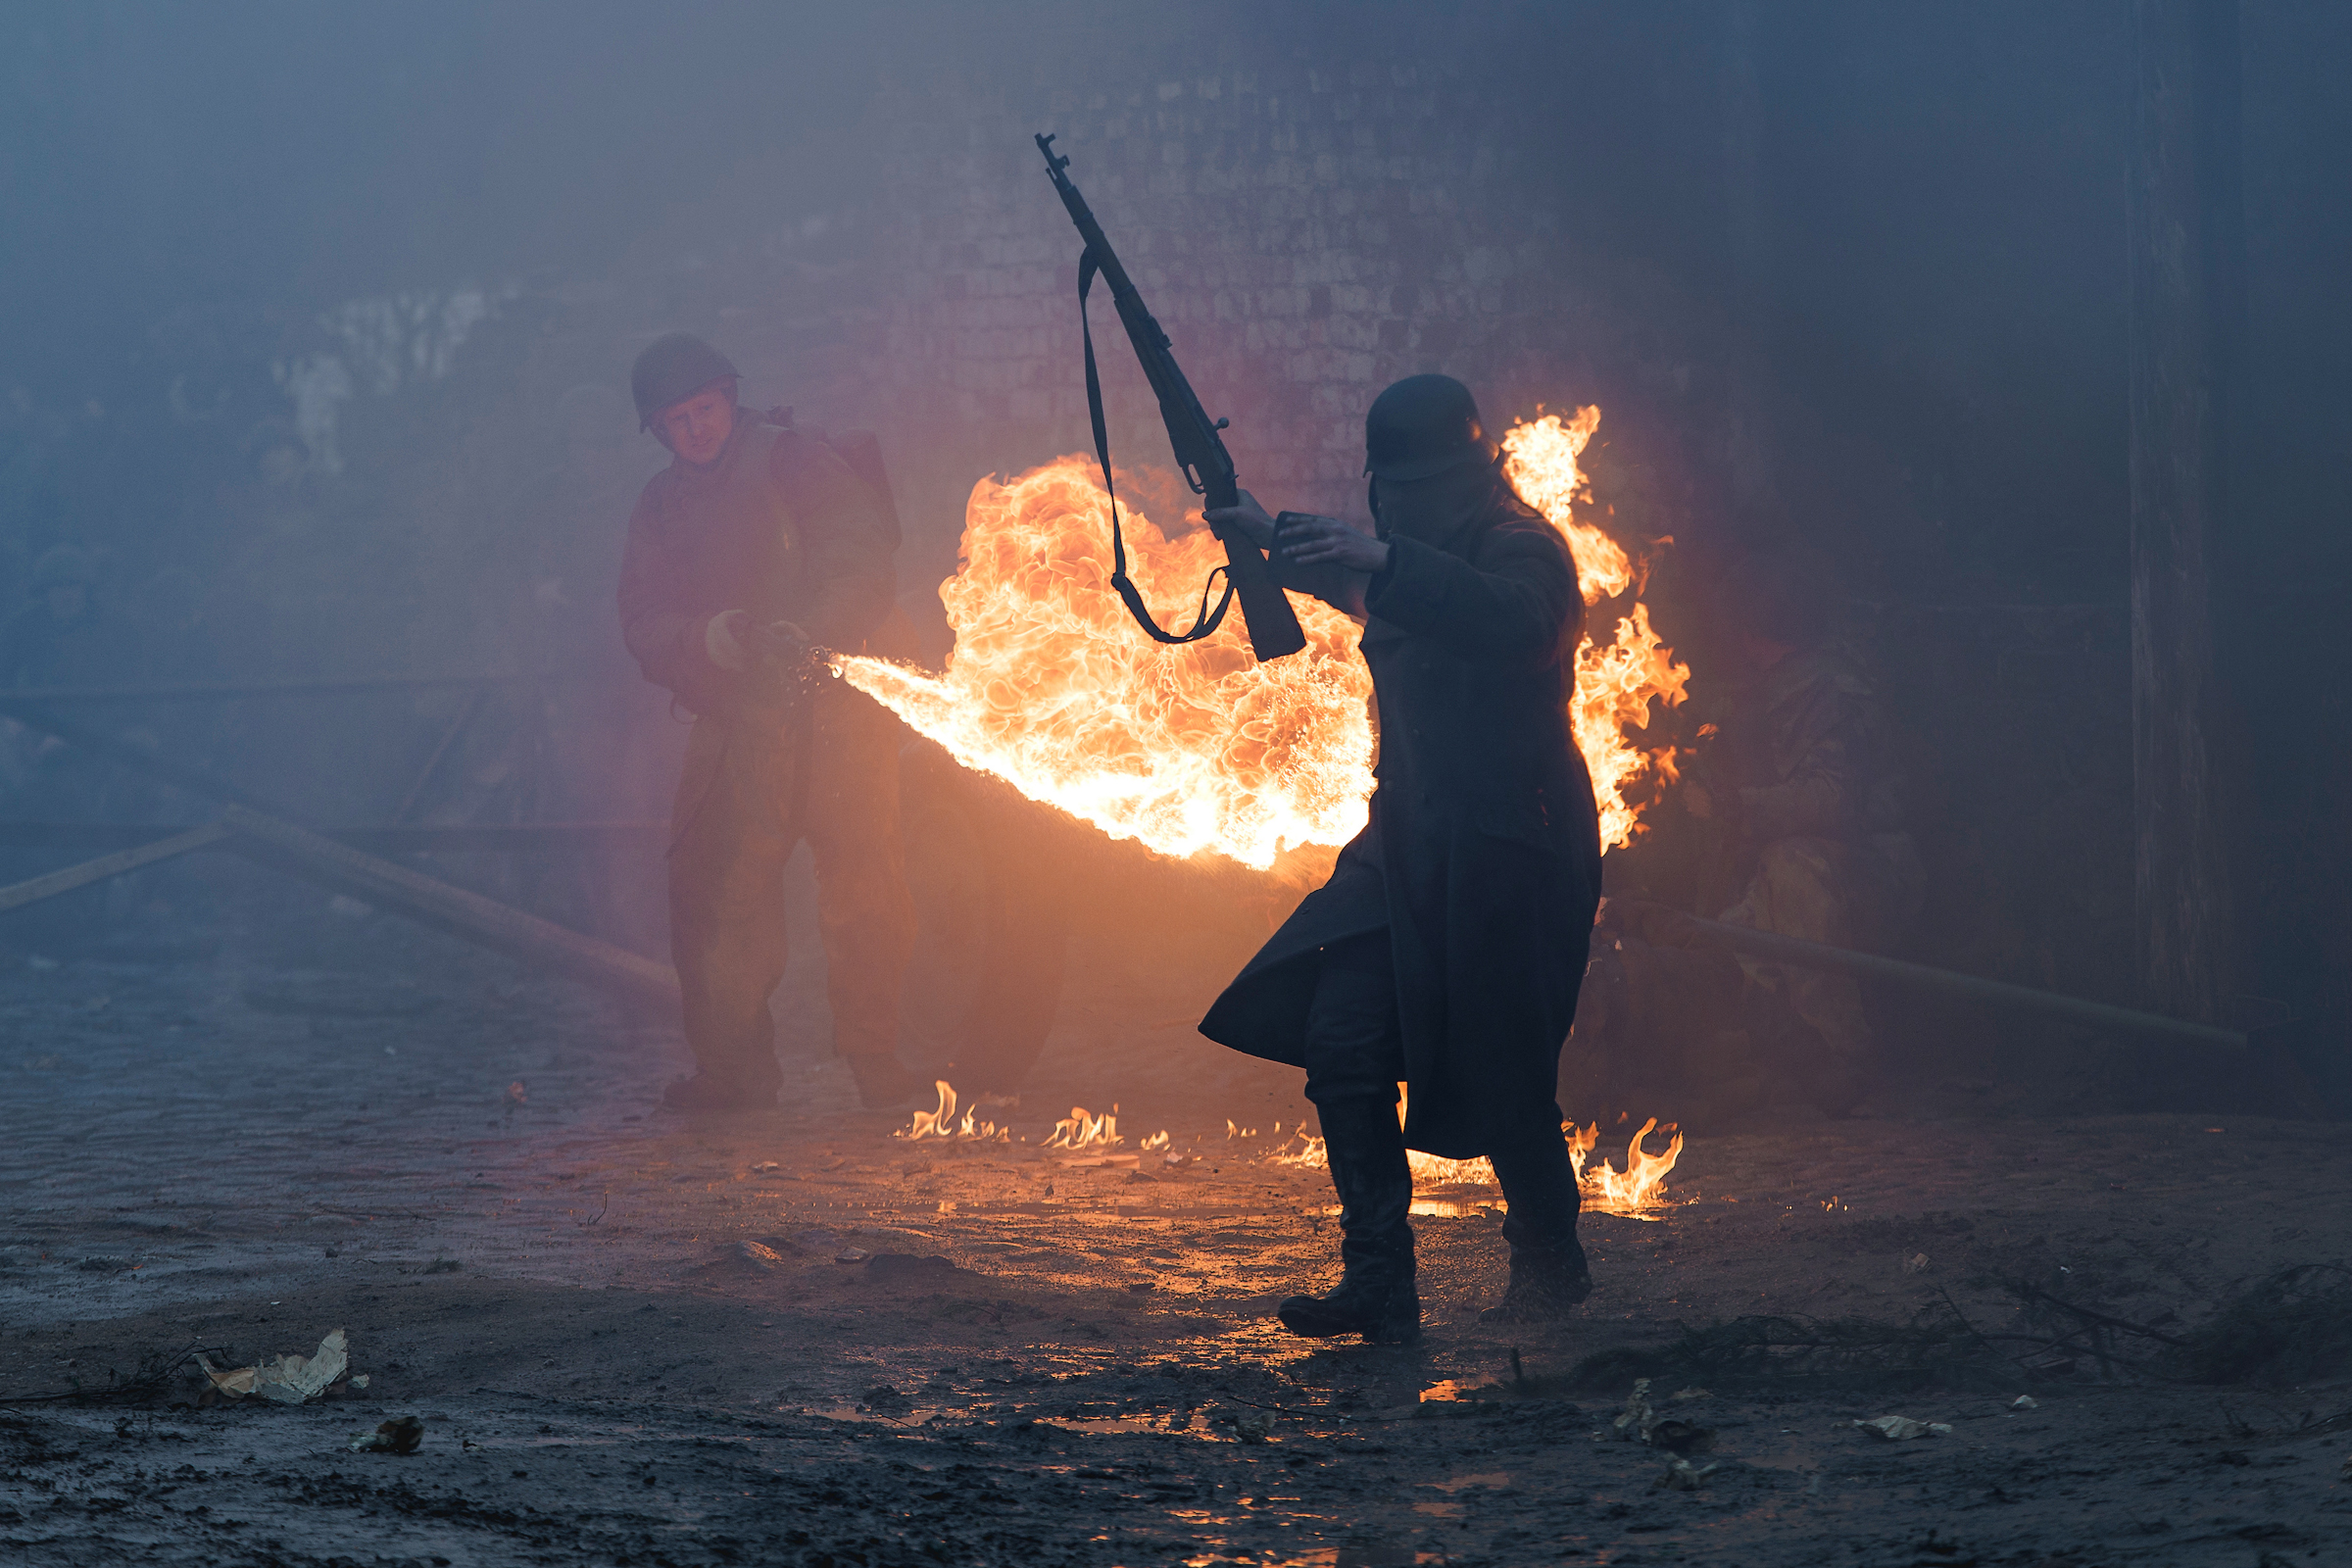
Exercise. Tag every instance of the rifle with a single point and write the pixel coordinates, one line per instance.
(1200, 450)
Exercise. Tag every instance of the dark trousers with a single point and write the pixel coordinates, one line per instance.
(755, 786)
(1354, 1061)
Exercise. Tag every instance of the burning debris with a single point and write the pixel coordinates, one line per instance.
(1198, 748)
(1635, 1192)
(1640, 1185)
(942, 1122)
(1082, 1129)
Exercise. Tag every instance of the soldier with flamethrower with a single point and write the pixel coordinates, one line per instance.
(1447, 948)
(758, 543)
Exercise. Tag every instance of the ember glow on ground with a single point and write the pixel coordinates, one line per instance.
(629, 1335)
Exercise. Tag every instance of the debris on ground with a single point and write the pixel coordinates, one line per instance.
(2292, 1326)
(1901, 1428)
(1683, 1476)
(757, 1258)
(400, 1435)
(2024, 1402)
(289, 1379)
(1248, 1426)
(1638, 1417)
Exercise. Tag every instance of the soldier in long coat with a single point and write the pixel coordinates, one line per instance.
(1447, 949)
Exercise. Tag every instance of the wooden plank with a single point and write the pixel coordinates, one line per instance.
(107, 866)
(422, 898)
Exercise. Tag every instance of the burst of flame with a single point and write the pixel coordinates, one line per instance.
(943, 1123)
(1616, 682)
(1051, 687)
(1198, 748)
(1082, 1129)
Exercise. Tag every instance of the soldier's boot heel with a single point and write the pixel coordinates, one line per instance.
(1376, 1296)
(1548, 1271)
(1383, 1311)
(1545, 1283)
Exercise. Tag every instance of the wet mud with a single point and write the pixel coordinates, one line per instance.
(795, 1338)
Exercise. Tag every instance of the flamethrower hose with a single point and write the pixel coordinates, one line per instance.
(1998, 993)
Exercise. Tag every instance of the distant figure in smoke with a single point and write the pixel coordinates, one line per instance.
(754, 544)
(1447, 949)
(63, 637)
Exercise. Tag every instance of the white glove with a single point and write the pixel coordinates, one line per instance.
(724, 638)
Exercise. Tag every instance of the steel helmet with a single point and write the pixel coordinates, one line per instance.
(1421, 426)
(673, 368)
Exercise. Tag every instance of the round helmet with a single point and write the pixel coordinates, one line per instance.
(673, 368)
(64, 566)
(1421, 426)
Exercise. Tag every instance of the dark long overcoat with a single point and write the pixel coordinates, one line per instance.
(1483, 855)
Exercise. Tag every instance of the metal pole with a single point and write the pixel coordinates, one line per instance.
(1968, 987)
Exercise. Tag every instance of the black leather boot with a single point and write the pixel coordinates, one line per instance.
(1548, 1271)
(1376, 1296)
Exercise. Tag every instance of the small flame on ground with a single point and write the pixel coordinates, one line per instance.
(1640, 1185)
(1629, 1194)
(942, 1122)
(1082, 1129)
(1157, 1140)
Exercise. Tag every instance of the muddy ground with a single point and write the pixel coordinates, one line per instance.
(794, 1338)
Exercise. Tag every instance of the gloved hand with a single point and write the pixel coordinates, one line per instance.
(723, 640)
(735, 642)
(779, 642)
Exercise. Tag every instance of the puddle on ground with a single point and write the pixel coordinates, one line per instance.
(1391, 1553)
(1185, 1424)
